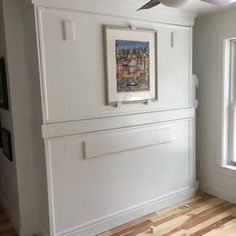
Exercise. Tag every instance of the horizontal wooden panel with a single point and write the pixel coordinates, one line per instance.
(121, 143)
(108, 123)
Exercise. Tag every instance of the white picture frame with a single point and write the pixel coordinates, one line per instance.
(130, 80)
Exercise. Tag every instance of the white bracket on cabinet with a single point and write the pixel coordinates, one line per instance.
(69, 31)
(195, 86)
(174, 39)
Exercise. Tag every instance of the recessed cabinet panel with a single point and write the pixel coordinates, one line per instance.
(87, 190)
(73, 66)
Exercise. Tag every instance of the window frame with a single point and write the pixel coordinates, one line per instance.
(229, 126)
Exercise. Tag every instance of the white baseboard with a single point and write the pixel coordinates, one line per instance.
(217, 192)
(10, 215)
(108, 222)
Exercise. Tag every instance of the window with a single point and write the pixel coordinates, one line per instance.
(230, 97)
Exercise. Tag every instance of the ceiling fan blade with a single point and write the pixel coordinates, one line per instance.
(220, 2)
(149, 5)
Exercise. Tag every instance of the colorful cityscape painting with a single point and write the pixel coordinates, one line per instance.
(132, 66)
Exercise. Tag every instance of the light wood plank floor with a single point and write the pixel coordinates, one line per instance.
(201, 215)
(6, 228)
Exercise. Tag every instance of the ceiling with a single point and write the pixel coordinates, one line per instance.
(203, 8)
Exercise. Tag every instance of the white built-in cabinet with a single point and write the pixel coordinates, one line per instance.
(108, 165)
(73, 79)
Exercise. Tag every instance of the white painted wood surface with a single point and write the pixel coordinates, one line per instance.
(85, 191)
(72, 92)
(115, 144)
(87, 196)
(146, 153)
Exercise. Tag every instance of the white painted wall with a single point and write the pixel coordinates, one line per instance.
(28, 205)
(8, 177)
(209, 33)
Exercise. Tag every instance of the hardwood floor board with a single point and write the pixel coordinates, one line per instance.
(6, 227)
(131, 224)
(201, 217)
(190, 209)
(11, 233)
(228, 229)
(186, 211)
(198, 216)
(166, 227)
(106, 234)
(213, 226)
(195, 200)
(209, 222)
(181, 218)
(133, 229)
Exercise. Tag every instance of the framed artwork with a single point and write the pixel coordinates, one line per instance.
(7, 145)
(3, 86)
(131, 64)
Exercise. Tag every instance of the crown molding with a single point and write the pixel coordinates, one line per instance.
(123, 8)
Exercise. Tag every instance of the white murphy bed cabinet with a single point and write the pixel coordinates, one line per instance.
(107, 165)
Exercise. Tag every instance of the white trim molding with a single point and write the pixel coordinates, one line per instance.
(124, 9)
(107, 123)
(217, 192)
(129, 214)
(222, 158)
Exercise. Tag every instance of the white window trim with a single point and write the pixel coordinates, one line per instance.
(224, 74)
(231, 103)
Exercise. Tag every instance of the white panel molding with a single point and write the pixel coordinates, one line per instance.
(192, 153)
(192, 87)
(41, 59)
(115, 144)
(51, 206)
(100, 124)
(124, 9)
(129, 214)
